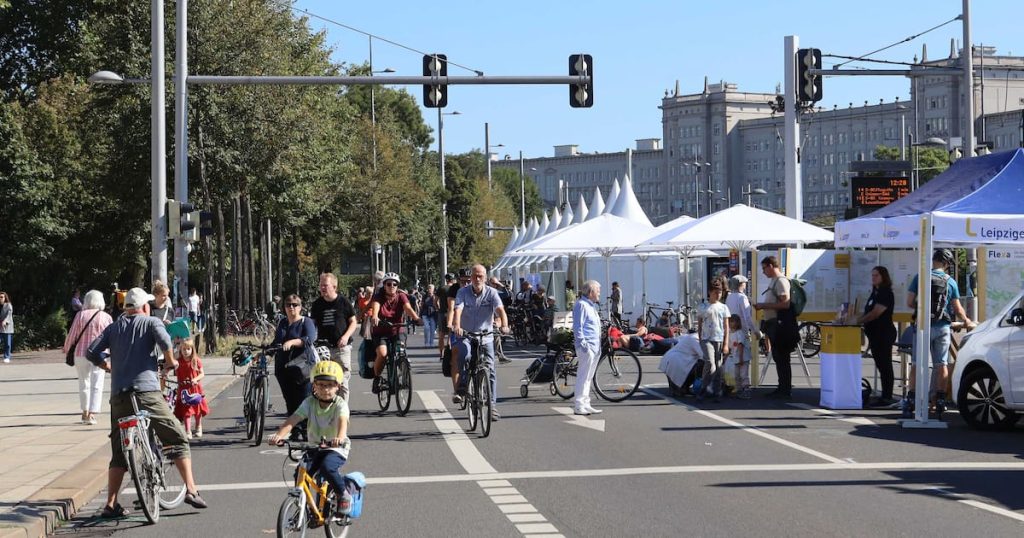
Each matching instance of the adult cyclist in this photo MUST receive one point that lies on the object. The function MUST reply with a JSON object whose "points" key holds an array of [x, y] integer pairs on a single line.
{"points": [[391, 305]]}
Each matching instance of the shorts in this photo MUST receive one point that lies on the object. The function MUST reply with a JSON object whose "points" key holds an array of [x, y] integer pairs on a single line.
{"points": [[382, 340], [168, 429], [939, 345]]}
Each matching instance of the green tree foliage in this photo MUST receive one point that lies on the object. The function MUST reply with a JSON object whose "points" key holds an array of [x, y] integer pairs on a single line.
{"points": [[507, 180], [931, 161]]}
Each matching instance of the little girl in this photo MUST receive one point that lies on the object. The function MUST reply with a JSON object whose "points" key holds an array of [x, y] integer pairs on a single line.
{"points": [[189, 373], [739, 345]]}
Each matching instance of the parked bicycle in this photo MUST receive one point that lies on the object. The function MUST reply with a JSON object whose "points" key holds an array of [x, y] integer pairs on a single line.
{"points": [[397, 379], [255, 387], [477, 401], [810, 338], [252, 323], [616, 377], [155, 480], [312, 502]]}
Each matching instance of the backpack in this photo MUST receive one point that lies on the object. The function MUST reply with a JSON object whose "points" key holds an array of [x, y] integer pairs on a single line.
{"points": [[797, 296], [940, 298]]}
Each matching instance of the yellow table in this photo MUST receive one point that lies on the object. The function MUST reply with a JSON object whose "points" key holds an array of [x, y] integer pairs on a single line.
{"points": [[840, 367]]}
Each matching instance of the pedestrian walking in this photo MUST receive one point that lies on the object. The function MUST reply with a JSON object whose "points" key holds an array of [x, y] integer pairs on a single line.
{"points": [[428, 313], [615, 303], [75, 306], [335, 321], [586, 330], [85, 327], [739, 349], [6, 325], [294, 334], [880, 331], [714, 333], [161, 307]]}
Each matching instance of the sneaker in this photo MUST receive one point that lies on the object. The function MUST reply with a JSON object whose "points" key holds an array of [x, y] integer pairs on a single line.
{"points": [[495, 415], [188, 435], [376, 386], [594, 411], [504, 360], [194, 500], [744, 394], [7, 359], [581, 411], [199, 432], [780, 395], [456, 399], [345, 504], [92, 421]]}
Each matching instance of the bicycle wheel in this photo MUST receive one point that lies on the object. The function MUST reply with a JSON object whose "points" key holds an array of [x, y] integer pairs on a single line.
{"points": [[564, 375], [172, 493], [259, 411], [249, 408], [473, 404], [384, 396], [483, 381], [140, 461], [617, 375], [810, 339], [403, 388], [335, 526], [291, 517], [261, 332]]}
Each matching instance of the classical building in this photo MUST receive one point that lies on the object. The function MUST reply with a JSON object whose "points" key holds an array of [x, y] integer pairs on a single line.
{"points": [[722, 143]]}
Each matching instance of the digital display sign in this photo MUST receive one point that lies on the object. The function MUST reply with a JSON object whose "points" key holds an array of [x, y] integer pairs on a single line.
{"points": [[875, 192]]}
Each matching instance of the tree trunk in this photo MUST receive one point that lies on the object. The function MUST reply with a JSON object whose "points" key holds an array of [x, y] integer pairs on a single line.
{"points": [[250, 292], [236, 254], [222, 290], [279, 281], [295, 258]]}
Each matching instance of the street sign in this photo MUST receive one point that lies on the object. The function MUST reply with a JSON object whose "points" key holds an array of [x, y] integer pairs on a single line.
{"points": [[875, 192], [880, 166]]}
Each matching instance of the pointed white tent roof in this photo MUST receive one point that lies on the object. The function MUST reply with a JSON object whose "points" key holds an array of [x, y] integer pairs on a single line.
{"points": [[556, 222], [515, 259], [581, 211], [606, 234], [512, 244], [596, 205], [627, 206], [739, 227], [543, 230], [567, 216], [613, 195]]}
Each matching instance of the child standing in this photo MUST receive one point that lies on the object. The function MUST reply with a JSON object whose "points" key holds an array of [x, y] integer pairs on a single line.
{"points": [[328, 422], [714, 332], [190, 401], [739, 347]]}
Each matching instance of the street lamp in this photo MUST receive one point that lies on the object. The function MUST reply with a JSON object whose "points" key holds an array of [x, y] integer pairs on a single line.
{"points": [[522, 188], [487, 151], [750, 192], [444, 204], [930, 142], [373, 103]]}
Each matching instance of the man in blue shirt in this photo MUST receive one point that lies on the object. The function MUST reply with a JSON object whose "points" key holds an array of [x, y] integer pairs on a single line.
{"points": [[476, 306], [586, 330], [132, 364], [942, 259]]}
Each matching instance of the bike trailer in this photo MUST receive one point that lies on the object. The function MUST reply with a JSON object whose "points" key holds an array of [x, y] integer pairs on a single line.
{"points": [[355, 484]]}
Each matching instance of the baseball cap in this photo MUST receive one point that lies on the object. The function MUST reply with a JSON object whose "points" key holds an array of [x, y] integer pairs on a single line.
{"points": [[464, 273], [449, 277], [136, 297]]}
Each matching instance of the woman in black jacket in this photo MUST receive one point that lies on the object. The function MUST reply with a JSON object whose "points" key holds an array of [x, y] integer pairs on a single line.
{"points": [[881, 333]]}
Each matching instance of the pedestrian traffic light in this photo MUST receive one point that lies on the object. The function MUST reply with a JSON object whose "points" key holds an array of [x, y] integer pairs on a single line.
{"points": [[203, 220], [177, 227], [581, 95], [435, 95], [808, 85]]}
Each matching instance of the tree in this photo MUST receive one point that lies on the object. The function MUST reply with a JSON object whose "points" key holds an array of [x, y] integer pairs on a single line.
{"points": [[930, 161], [508, 181]]}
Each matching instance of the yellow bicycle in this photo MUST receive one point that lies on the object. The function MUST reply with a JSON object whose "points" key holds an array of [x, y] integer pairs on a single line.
{"points": [[312, 502]]}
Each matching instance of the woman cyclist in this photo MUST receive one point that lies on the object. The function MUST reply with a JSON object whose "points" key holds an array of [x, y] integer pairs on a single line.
{"points": [[388, 304]]}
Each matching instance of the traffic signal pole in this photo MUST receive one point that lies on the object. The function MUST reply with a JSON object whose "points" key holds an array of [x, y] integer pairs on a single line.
{"points": [[181, 246], [794, 183]]}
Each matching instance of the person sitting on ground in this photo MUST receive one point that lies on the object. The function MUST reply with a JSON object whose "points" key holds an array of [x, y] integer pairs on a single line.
{"points": [[682, 362], [635, 341]]}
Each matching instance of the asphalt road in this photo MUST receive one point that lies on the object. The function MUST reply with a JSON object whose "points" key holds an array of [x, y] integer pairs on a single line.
{"points": [[651, 465]]}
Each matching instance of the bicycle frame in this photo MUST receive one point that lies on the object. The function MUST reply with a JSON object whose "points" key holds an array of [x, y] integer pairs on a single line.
{"points": [[305, 487]]}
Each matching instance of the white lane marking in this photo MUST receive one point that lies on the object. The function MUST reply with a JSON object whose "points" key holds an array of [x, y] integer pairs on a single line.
{"points": [[749, 429], [525, 518], [469, 457], [628, 471], [580, 420], [509, 501], [861, 421], [993, 509]]}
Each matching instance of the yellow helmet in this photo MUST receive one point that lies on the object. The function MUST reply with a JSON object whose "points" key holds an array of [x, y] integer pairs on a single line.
{"points": [[327, 371]]}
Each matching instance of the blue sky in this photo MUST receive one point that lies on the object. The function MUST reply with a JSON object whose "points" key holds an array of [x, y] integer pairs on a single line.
{"points": [[640, 49]]}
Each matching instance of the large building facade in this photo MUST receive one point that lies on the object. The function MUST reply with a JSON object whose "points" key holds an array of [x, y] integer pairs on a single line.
{"points": [[723, 143]]}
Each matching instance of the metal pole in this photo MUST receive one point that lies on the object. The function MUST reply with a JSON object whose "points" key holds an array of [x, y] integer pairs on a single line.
{"points": [[181, 139], [903, 136], [158, 142], [270, 268], [696, 191], [373, 109], [629, 164], [444, 204], [522, 190], [794, 189], [487, 152], [968, 82]]}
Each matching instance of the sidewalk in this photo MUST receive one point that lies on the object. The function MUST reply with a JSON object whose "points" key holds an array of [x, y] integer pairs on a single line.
{"points": [[53, 465]]}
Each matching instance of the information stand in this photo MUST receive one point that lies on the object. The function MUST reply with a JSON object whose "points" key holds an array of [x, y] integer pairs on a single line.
{"points": [[840, 367]]}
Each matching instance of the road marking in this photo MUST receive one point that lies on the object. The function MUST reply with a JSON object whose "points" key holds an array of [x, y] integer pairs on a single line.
{"points": [[501, 492], [504, 477], [860, 421], [580, 420], [744, 427], [526, 518], [993, 509]]}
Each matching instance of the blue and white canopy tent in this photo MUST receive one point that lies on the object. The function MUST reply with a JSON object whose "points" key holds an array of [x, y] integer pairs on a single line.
{"points": [[977, 201]]}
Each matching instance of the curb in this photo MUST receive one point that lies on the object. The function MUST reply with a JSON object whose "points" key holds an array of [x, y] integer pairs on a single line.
{"points": [[41, 513]]}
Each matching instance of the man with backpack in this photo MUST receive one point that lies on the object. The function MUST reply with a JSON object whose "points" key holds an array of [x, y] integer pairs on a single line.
{"points": [[779, 325], [945, 295]]}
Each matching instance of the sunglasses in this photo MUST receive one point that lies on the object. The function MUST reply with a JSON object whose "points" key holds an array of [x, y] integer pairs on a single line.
{"points": [[293, 305], [391, 284]]}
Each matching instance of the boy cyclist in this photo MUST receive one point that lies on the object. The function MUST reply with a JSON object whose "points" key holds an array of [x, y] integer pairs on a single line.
{"points": [[328, 416]]}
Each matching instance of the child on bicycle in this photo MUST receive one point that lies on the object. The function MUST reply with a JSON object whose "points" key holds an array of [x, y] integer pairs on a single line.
{"points": [[190, 402], [739, 347], [328, 416]]}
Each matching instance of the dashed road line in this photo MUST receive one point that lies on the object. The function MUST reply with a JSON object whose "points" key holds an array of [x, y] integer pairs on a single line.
{"points": [[860, 421], [527, 519]]}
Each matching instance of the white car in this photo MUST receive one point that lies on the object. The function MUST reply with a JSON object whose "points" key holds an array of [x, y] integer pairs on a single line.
{"points": [[988, 380]]}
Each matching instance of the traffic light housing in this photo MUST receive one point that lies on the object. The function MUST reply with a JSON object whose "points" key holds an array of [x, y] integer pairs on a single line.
{"points": [[808, 86], [178, 227], [435, 95], [581, 95], [203, 222]]}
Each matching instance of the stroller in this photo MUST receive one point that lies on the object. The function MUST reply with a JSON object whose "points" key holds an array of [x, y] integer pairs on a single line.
{"points": [[542, 369]]}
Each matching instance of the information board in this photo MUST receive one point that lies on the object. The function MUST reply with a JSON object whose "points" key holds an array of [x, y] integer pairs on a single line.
{"points": [[875, 192], [1004, 277]]}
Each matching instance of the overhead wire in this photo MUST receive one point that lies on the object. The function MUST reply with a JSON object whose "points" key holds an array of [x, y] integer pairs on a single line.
{"points": [[904, 40]]}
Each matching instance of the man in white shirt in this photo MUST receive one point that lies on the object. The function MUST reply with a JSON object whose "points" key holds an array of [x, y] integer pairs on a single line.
{"points": [[586, 329]]}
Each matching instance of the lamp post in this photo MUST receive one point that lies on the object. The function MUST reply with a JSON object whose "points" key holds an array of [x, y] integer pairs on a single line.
{"points": [[444, 204], [931, 142], [522, 188], [750, 192], [487, 151]]}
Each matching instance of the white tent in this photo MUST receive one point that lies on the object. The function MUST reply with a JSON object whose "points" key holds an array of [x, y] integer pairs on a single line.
{"points": [[596, 205], [613, 195], [626, 204], [513, 242], [580, 214], [739, 227]]}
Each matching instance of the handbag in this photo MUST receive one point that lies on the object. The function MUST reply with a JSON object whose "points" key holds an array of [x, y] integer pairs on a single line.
{"points": [[303, 362], [69, 359]]}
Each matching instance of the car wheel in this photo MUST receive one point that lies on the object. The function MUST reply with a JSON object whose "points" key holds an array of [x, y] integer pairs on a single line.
{"points": [[982, 403]]}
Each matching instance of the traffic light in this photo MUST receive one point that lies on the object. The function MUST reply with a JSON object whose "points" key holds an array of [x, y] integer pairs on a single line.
{"points": [[203, 222], [808, 86], [177, 227], [435, 95], [581, 95]]}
